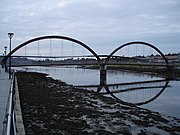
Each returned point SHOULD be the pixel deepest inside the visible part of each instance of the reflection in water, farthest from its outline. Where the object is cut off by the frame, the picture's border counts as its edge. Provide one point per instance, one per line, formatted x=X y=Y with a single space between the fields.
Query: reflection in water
x=123 y=86
x=118 y=88
x=135 y=89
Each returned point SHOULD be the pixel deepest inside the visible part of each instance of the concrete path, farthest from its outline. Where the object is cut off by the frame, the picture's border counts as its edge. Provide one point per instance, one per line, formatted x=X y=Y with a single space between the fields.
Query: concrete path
x=4 y=92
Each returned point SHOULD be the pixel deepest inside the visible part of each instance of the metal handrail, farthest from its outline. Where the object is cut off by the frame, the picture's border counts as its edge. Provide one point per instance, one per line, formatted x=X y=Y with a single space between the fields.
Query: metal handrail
x=11 y=122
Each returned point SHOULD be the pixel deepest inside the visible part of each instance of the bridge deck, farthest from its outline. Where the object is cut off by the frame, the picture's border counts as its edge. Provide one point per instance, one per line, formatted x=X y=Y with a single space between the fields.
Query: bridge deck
x=4 y=93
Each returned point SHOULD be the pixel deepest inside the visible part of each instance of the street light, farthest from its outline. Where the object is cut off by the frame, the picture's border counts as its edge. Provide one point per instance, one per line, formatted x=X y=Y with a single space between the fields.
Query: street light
x=10 y=37
x=5 y=50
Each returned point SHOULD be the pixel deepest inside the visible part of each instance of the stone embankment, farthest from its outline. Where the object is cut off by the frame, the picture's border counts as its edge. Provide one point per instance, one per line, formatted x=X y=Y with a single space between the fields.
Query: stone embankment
x=52 y=107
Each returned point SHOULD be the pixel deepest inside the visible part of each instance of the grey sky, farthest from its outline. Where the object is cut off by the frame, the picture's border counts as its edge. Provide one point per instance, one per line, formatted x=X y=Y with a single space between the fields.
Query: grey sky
x=102 y=24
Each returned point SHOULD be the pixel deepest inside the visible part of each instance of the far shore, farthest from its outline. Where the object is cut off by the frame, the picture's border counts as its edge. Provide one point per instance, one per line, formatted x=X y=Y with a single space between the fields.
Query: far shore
x=169 y=73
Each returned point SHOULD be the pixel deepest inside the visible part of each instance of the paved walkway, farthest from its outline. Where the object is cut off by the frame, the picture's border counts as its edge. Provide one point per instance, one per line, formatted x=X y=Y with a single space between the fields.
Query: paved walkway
x=4 y=92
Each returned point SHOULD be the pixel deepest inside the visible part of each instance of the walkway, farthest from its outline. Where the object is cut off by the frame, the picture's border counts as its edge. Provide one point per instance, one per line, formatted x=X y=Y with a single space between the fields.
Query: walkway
x=4 y=92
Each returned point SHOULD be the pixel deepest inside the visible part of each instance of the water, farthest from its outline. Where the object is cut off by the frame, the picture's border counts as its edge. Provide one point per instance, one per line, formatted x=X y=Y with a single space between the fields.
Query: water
x=154 y=94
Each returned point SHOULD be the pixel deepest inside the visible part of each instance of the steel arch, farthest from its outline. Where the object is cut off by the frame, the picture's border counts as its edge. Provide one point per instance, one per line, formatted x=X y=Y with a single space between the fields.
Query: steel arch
x=50 y=37
x=137 y=42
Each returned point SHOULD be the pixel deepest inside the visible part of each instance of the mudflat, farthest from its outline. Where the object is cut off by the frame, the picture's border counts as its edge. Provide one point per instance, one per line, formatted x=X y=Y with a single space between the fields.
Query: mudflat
x=52 y=107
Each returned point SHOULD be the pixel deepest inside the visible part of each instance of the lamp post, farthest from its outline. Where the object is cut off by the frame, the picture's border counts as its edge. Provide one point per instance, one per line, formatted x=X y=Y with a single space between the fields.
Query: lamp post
x=10 y=37
x=5 y=50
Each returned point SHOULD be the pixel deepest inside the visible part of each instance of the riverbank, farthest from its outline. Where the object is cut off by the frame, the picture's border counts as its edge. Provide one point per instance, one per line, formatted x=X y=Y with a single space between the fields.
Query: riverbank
x=171 y=73
x=52 y=107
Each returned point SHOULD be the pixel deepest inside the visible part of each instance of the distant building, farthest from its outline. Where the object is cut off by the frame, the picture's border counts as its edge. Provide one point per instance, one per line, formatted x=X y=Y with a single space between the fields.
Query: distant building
x=172 y=58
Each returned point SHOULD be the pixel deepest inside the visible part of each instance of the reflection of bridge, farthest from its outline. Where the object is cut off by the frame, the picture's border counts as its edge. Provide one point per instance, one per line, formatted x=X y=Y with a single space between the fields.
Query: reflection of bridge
x=121 y=84
x=130 y=87
x=162 y=88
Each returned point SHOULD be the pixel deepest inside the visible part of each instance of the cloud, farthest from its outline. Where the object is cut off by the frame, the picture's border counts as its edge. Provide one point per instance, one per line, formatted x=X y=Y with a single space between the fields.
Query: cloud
x=100 y=23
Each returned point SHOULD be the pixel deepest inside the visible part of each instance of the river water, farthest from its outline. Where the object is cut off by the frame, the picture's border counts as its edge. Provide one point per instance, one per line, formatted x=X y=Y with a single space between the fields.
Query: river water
x=152 y=95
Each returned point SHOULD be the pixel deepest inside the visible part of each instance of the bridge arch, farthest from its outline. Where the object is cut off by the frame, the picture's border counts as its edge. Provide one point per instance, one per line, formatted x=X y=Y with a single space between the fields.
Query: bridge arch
x=137 y=42
x=51 y=37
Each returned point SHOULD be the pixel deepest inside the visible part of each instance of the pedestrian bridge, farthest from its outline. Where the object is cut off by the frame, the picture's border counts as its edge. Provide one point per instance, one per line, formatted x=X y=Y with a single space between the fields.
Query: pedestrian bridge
x=62 y=50
x=59 y=49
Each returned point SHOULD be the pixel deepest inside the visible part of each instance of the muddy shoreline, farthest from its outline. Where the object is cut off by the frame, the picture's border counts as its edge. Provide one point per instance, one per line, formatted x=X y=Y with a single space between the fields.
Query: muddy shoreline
x=52 y=107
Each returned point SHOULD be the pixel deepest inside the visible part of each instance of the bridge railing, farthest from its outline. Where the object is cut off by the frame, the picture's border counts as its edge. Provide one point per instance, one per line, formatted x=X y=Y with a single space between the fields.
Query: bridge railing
x=10 y=122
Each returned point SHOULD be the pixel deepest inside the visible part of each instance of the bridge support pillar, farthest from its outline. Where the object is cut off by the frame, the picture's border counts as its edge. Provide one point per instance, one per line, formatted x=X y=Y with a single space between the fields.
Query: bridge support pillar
x=103 y=79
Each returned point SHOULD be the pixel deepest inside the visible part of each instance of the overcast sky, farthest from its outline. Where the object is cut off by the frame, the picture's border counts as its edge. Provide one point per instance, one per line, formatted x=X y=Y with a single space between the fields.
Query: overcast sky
x=102 y=24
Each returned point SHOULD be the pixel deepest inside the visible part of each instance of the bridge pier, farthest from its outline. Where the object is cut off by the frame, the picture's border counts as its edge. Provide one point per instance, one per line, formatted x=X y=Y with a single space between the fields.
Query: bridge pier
x=103 y=79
